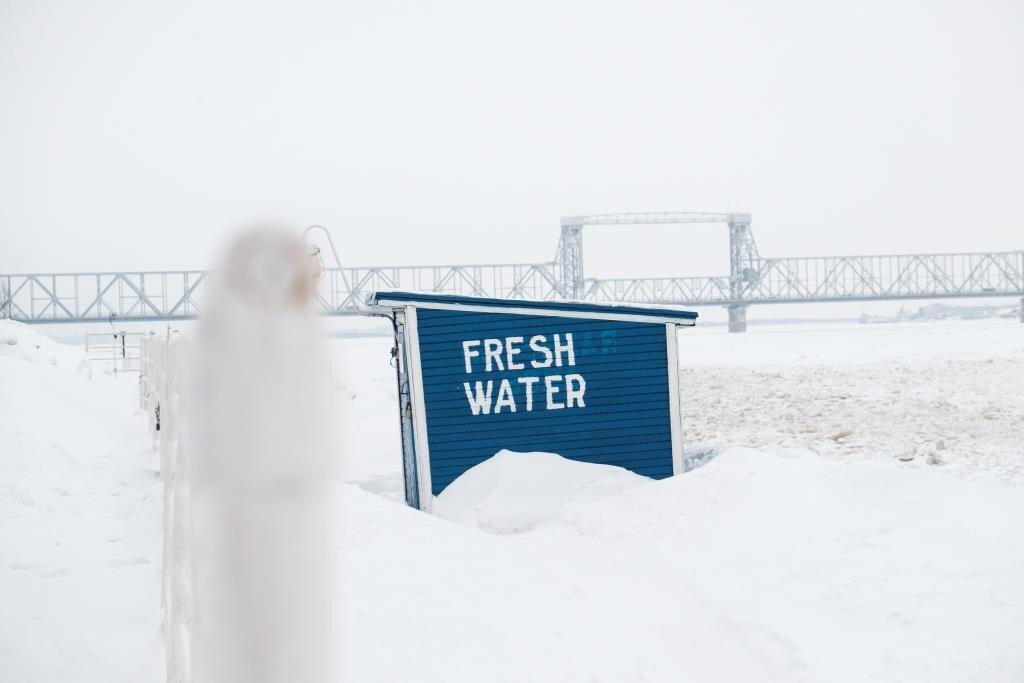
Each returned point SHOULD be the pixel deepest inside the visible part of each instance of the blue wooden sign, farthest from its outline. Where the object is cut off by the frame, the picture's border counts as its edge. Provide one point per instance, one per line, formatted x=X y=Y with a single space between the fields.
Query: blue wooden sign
x=590 y=382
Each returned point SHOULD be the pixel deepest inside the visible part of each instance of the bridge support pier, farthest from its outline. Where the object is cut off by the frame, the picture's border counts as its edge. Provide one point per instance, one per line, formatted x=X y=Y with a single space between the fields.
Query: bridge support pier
x=737 y=318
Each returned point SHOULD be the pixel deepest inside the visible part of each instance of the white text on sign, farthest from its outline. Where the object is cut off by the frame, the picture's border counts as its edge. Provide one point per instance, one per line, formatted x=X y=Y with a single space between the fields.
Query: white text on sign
x=556 y=391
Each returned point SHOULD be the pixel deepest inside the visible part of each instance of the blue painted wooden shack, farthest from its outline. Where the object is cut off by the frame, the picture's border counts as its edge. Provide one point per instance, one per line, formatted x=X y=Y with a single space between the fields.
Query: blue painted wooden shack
x=591 y=382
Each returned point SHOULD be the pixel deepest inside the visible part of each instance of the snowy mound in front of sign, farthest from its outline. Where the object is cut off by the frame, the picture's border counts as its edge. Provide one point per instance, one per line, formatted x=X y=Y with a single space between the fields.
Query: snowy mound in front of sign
x=513 y=492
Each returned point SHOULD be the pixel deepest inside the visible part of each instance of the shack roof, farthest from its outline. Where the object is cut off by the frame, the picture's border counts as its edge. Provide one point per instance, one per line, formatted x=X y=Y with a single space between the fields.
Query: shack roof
x=609 y=311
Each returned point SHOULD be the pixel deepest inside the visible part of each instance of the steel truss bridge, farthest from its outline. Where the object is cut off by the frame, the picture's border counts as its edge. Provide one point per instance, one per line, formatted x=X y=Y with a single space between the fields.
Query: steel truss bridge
x=752 y=279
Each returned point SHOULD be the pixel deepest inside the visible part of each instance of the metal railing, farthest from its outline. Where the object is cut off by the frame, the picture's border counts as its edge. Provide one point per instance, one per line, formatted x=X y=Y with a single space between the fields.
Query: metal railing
x=115 y=351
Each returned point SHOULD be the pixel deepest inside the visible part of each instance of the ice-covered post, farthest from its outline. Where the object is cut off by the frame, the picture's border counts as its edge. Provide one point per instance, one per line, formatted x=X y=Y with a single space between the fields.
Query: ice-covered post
x=265 y=528
x=737 y=318
x=175 y=466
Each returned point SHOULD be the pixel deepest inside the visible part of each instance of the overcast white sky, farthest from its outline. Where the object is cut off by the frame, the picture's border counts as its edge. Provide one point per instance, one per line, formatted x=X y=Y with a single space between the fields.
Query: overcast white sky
x=134 y=135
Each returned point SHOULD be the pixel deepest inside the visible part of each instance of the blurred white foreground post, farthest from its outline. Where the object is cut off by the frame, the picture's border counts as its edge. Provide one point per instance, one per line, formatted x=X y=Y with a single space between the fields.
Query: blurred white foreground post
x=265 y=528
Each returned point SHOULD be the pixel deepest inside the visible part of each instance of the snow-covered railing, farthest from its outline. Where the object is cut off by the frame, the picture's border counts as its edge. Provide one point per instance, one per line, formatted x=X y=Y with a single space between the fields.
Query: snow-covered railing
x=116 y=351
x=161 y=379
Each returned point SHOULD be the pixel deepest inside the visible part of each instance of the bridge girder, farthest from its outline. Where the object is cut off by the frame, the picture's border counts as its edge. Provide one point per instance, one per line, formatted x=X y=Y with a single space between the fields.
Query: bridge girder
x=752 y=280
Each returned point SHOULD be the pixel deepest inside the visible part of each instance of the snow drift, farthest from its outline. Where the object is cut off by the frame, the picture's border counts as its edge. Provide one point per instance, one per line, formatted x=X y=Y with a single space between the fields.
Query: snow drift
x=512 y=492
x=18 y=340
x=79 y=520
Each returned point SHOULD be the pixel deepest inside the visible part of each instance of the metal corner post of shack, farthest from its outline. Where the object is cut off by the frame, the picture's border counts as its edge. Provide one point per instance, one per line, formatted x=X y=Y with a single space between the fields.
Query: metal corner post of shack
x=596 y=383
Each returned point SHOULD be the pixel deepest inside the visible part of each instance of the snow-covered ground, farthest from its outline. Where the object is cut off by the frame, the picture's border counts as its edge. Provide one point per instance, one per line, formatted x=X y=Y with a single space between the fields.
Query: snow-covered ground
x=894 y=552
x=79 y=520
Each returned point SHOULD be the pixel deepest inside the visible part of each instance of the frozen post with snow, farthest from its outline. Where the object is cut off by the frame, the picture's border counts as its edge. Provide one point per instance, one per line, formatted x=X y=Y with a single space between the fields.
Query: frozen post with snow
x=253 y=579
x=596 y=383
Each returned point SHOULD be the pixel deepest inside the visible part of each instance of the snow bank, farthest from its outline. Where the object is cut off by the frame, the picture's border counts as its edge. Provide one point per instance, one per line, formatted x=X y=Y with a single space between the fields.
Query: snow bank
x=833 y=571
x=435 y=602
x=18 y=340
x=80 y=531
x=47 y=395
x=512 y=492
x=757 y=566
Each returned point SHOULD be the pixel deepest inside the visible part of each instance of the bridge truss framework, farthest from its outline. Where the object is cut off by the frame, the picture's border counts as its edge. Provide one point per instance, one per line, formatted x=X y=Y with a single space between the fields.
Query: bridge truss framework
x=751 y=280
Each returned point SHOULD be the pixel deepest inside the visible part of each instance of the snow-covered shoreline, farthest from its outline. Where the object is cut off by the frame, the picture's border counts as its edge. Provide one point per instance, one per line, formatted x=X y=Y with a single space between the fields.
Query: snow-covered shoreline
x=815 y=557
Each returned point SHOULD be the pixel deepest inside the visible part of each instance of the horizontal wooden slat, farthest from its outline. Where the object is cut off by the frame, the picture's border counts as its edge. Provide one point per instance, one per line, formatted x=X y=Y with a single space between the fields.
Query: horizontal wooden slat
x=609 y=431
x=594 y=400
x=637 y=446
